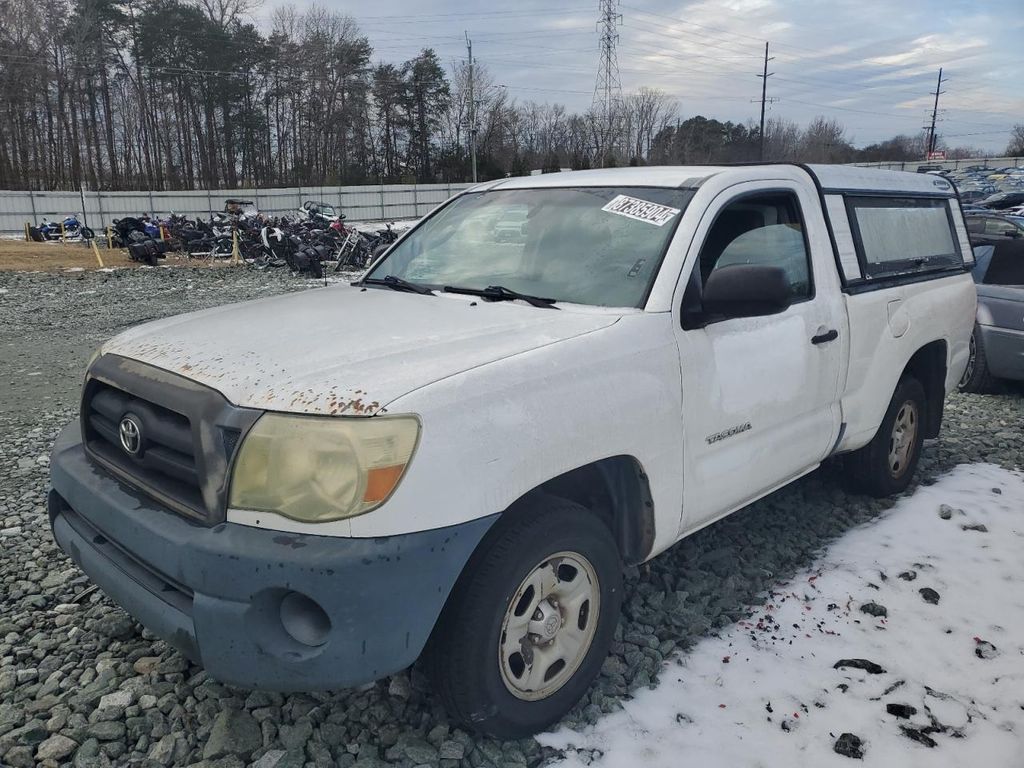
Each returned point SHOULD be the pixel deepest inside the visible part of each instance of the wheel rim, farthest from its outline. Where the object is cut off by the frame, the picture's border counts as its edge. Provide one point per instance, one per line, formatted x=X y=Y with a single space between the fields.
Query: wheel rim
x=972 y=358
x=549 y=626
x=903 y=438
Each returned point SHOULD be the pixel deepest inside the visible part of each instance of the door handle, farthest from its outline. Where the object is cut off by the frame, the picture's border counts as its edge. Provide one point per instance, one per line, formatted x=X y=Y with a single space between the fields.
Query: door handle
x=823 y=338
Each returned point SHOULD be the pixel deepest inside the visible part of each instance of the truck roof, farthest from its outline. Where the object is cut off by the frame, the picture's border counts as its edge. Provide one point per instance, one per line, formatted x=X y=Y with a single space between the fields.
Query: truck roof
x=837 y=178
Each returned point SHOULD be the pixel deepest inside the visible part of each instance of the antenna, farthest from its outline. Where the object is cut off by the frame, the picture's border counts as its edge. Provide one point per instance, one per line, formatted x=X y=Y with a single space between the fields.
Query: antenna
x=607 y=102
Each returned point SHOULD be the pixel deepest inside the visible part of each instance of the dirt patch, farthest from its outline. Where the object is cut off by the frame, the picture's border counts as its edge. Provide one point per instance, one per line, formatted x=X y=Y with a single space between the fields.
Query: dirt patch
x=20 y=256
x=49 y=257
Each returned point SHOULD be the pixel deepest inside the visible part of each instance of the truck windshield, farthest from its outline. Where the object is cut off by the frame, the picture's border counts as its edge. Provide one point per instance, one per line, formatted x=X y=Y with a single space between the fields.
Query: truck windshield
x=586 y=245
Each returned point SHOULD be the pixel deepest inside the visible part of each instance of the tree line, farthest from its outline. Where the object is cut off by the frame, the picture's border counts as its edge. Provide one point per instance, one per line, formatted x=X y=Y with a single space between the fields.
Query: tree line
x=186 y=94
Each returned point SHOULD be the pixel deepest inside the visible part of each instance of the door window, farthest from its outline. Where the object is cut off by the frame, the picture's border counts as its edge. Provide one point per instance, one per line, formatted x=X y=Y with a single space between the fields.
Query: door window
x=994 y=226
x=765 y=230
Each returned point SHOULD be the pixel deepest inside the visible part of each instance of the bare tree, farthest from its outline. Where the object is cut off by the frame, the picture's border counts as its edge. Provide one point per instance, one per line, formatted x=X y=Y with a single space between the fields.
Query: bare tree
x=226 y=12
x=646 y=112
x=824 y=141
x=1016 y=146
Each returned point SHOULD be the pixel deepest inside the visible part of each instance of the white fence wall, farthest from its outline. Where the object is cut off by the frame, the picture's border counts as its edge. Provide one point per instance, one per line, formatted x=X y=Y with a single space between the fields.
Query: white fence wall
x=987 y=162
x=378 y=202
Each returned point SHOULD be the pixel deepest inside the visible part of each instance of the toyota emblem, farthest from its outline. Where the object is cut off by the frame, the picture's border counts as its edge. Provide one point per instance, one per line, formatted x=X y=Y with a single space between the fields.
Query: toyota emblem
x=130 y=433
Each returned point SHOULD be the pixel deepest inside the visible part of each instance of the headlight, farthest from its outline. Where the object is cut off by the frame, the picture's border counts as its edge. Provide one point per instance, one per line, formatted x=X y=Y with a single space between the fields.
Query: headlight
x=92 y=359
x=315 y=468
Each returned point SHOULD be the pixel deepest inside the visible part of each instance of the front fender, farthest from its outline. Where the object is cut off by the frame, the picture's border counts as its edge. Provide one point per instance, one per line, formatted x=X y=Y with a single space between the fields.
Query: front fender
x=495 y=432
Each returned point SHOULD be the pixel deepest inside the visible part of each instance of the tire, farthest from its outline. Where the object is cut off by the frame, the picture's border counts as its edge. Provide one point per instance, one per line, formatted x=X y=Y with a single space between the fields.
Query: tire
x=976 y=378
x=880 y=468
x=547 y=545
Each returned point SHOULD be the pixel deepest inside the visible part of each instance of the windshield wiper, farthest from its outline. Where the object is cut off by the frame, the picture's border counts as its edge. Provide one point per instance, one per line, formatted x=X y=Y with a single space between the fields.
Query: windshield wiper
x=397 y=284
x=501 y=293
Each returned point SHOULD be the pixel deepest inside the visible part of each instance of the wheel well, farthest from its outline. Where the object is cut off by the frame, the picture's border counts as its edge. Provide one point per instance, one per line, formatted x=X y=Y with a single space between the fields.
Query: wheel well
x=617 y=490
x=928 y=366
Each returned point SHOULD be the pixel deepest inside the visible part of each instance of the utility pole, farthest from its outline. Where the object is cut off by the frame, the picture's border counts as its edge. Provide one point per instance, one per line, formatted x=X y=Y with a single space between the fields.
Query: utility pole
x=932 y=137
x=764 y=93
x=472 y=107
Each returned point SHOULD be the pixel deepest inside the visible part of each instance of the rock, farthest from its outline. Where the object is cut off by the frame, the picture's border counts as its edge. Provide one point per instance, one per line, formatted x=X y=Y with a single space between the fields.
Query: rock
x=107 y=730
x=983 y=649
x=271 y=759
x=146 y=664
x=908 y=575
x=234 y=732
x=868 y=666
x=399 y=687
x=116 y=625
x=451 y=750
x=19 y=757
x=874 y=609
x=32 y=733
x=56 y=579
x=228 y=761
x=975 y=527
x=902 y=711
x=162 y=751
x=8 y=680
x=849 y=745
x=929 y=595
x=56 y=747
x=295 y=736
x=121 y=699
x=420 y=752
x=945 y=511
x=918 y=735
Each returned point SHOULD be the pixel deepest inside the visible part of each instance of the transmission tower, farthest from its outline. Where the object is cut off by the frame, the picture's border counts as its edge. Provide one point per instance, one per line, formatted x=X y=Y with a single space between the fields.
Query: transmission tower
x=607 y=104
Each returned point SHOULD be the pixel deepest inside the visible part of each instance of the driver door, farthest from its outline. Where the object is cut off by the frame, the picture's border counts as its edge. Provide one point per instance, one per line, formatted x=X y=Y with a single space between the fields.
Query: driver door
x=760 y=394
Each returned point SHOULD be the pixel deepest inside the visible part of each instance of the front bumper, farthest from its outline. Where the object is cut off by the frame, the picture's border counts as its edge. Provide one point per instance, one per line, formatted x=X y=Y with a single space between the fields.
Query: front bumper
x=1004 y=352
x=216 y=593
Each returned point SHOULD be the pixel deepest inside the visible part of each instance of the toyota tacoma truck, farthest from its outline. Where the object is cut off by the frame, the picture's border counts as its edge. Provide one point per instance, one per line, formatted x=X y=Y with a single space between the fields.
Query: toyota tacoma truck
x=487 y=429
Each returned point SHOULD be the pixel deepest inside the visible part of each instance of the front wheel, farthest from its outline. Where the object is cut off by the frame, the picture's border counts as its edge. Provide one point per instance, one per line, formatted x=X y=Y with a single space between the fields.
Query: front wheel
x=886 y=465
x=530 y=622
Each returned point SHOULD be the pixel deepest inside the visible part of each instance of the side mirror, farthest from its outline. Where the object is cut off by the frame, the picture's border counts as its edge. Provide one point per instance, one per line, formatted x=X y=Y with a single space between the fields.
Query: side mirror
x=746 y=290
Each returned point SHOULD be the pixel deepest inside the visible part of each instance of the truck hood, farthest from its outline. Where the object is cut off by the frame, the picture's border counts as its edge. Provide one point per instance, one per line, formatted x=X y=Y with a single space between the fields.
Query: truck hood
x=344 y=350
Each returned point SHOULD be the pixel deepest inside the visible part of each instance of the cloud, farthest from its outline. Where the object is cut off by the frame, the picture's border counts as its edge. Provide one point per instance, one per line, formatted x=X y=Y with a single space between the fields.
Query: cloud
x=876 y=59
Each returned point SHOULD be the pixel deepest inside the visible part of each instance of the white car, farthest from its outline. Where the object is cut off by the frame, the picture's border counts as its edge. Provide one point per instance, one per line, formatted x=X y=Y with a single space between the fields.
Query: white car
x=503 y=426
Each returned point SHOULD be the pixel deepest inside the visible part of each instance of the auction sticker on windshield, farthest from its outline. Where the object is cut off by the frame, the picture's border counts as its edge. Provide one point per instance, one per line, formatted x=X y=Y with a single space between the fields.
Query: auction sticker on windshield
x=641 y=210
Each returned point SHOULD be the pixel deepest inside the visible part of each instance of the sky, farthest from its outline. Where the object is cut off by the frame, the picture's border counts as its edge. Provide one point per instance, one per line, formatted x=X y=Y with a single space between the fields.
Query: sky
x=871 y=64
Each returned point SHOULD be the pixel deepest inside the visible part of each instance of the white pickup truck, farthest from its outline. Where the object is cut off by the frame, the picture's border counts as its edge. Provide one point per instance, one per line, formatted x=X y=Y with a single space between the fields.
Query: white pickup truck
x=485 y=429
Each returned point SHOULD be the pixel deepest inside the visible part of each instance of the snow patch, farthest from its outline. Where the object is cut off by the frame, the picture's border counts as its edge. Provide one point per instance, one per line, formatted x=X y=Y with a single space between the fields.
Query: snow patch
x=766 y=692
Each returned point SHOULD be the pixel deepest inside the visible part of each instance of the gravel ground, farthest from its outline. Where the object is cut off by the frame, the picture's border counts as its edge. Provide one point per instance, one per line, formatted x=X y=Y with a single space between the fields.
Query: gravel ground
x=82 y=684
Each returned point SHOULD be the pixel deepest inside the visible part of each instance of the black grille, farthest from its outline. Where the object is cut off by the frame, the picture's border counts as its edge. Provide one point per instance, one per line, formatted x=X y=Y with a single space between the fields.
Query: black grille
x=165 y=460
x=185 y=434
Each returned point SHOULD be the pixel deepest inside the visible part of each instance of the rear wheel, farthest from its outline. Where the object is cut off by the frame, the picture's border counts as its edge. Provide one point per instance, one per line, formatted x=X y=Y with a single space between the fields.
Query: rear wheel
x=886 y=465
x=976 y=378
x=530 y=622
